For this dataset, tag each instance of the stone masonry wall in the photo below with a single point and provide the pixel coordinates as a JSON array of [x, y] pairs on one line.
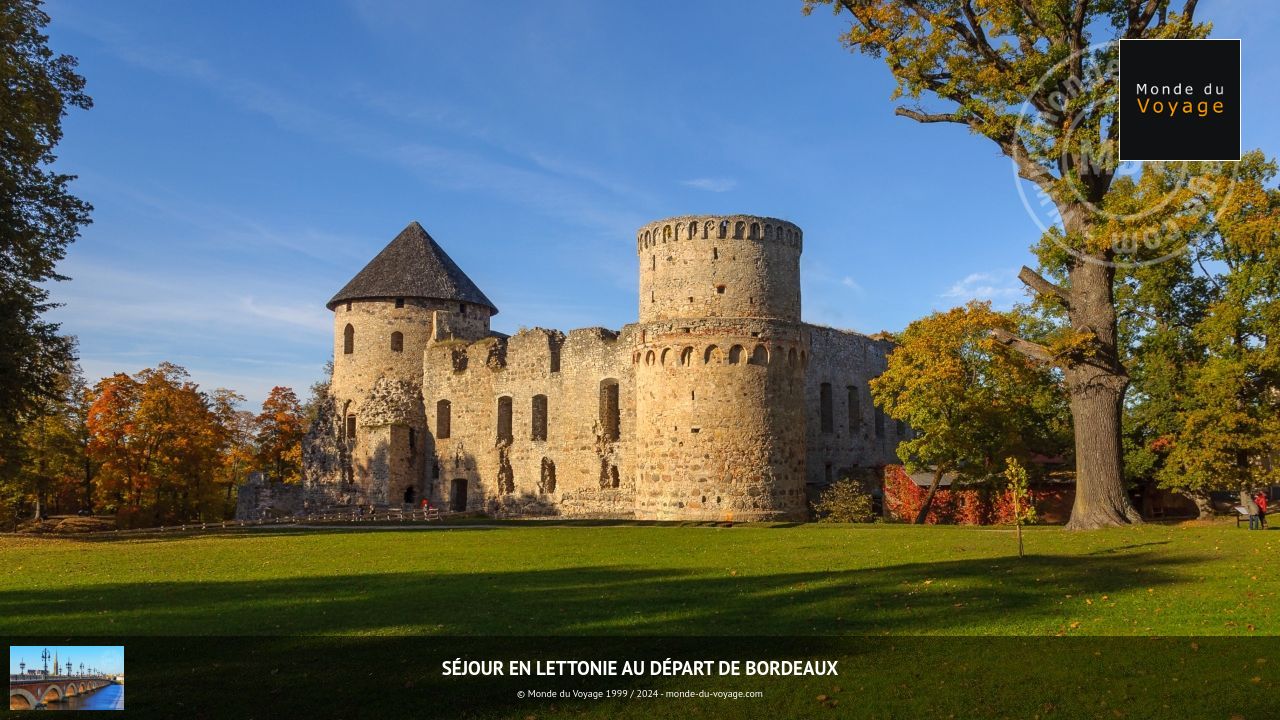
[[720, 420], [846, 362], [376, 387], [579, 469], [719, 266]]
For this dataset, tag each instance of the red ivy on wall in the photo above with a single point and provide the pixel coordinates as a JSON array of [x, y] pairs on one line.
[[962, 506]]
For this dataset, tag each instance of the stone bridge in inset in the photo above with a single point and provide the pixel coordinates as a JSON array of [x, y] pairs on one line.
[[29, 692]]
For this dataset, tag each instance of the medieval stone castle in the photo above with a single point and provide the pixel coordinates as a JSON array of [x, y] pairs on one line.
[[719, 403]]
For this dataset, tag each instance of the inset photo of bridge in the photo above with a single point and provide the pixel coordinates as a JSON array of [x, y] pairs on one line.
[[66, 677]]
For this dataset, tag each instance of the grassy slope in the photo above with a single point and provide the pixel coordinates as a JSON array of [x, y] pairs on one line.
[[558, 580]]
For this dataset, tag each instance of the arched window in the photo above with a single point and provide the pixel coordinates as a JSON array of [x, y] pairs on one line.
[[735, 355], [555, 357], [444, 419], [855, 410], [539, 430], [759, 355], [397, 341], [879, 423], [712, 356], [791, 357], [724, 228], [693, 230], [755, 231], [609, 410], [686, 356], [648, 358], [824, 404], [666, 355], [348, 340], [504, 418], [738, 228], [351, 428]]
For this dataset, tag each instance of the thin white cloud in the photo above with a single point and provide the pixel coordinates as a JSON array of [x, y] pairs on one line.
[[711, 184], [852, 284], [1000, 287], [309, 316]]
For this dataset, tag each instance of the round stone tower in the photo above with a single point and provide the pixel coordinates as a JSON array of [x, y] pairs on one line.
[[410, 295], [720, 365]]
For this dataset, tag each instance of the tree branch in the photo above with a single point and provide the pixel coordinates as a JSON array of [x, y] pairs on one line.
[[924, 117], [1036, 281], [1032, 350]]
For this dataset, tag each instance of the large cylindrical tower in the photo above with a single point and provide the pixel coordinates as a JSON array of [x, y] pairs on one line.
[[720, 364]]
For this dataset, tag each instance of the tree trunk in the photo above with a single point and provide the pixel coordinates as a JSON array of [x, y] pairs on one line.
[[1204, 505], [1096, 385], [928, 498]]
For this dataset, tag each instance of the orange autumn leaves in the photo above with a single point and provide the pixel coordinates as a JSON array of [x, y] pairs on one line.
[[168, 451]]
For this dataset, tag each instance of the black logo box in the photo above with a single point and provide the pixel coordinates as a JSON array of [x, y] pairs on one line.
[[1186, 67]]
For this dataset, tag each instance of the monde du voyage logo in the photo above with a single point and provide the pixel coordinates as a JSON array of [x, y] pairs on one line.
[[1179, 100]]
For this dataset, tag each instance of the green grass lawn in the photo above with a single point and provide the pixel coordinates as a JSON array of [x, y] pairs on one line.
[[562, 579], [925, 622]]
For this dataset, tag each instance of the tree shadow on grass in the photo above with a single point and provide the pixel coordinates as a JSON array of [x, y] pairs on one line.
[[960, 596]]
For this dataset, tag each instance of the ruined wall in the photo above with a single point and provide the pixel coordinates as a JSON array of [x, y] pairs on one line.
[[855, 433], [258, 499], [580, 467]]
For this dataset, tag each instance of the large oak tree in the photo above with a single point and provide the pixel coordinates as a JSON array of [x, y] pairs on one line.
[[1033, 77]]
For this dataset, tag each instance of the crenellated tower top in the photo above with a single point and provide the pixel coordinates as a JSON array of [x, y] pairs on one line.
[[696, 266]]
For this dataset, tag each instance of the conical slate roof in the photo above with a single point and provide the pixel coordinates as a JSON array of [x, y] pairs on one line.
[[412, 265]]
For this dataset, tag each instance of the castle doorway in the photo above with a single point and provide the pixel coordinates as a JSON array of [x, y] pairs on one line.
[[458, 495], [409, 495]]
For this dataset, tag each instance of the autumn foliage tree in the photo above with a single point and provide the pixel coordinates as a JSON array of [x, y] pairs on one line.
[[159, 442], [971, 401], [280, 428], [1032, 77]]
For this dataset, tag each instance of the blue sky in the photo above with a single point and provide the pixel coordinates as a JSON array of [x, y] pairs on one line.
[[107, 658], [245, 159]]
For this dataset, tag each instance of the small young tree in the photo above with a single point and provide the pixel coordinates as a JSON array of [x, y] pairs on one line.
[[1024, 510]]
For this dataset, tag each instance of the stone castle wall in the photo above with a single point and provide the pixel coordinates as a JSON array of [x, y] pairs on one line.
[[575, 460], [855, 434], [719, 404]]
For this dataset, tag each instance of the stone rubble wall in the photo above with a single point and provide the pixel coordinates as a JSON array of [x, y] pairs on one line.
[[578, 468], [845, 359]]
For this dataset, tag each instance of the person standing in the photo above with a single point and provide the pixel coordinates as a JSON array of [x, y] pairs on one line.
[[1250, 507], [1261, 501]]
